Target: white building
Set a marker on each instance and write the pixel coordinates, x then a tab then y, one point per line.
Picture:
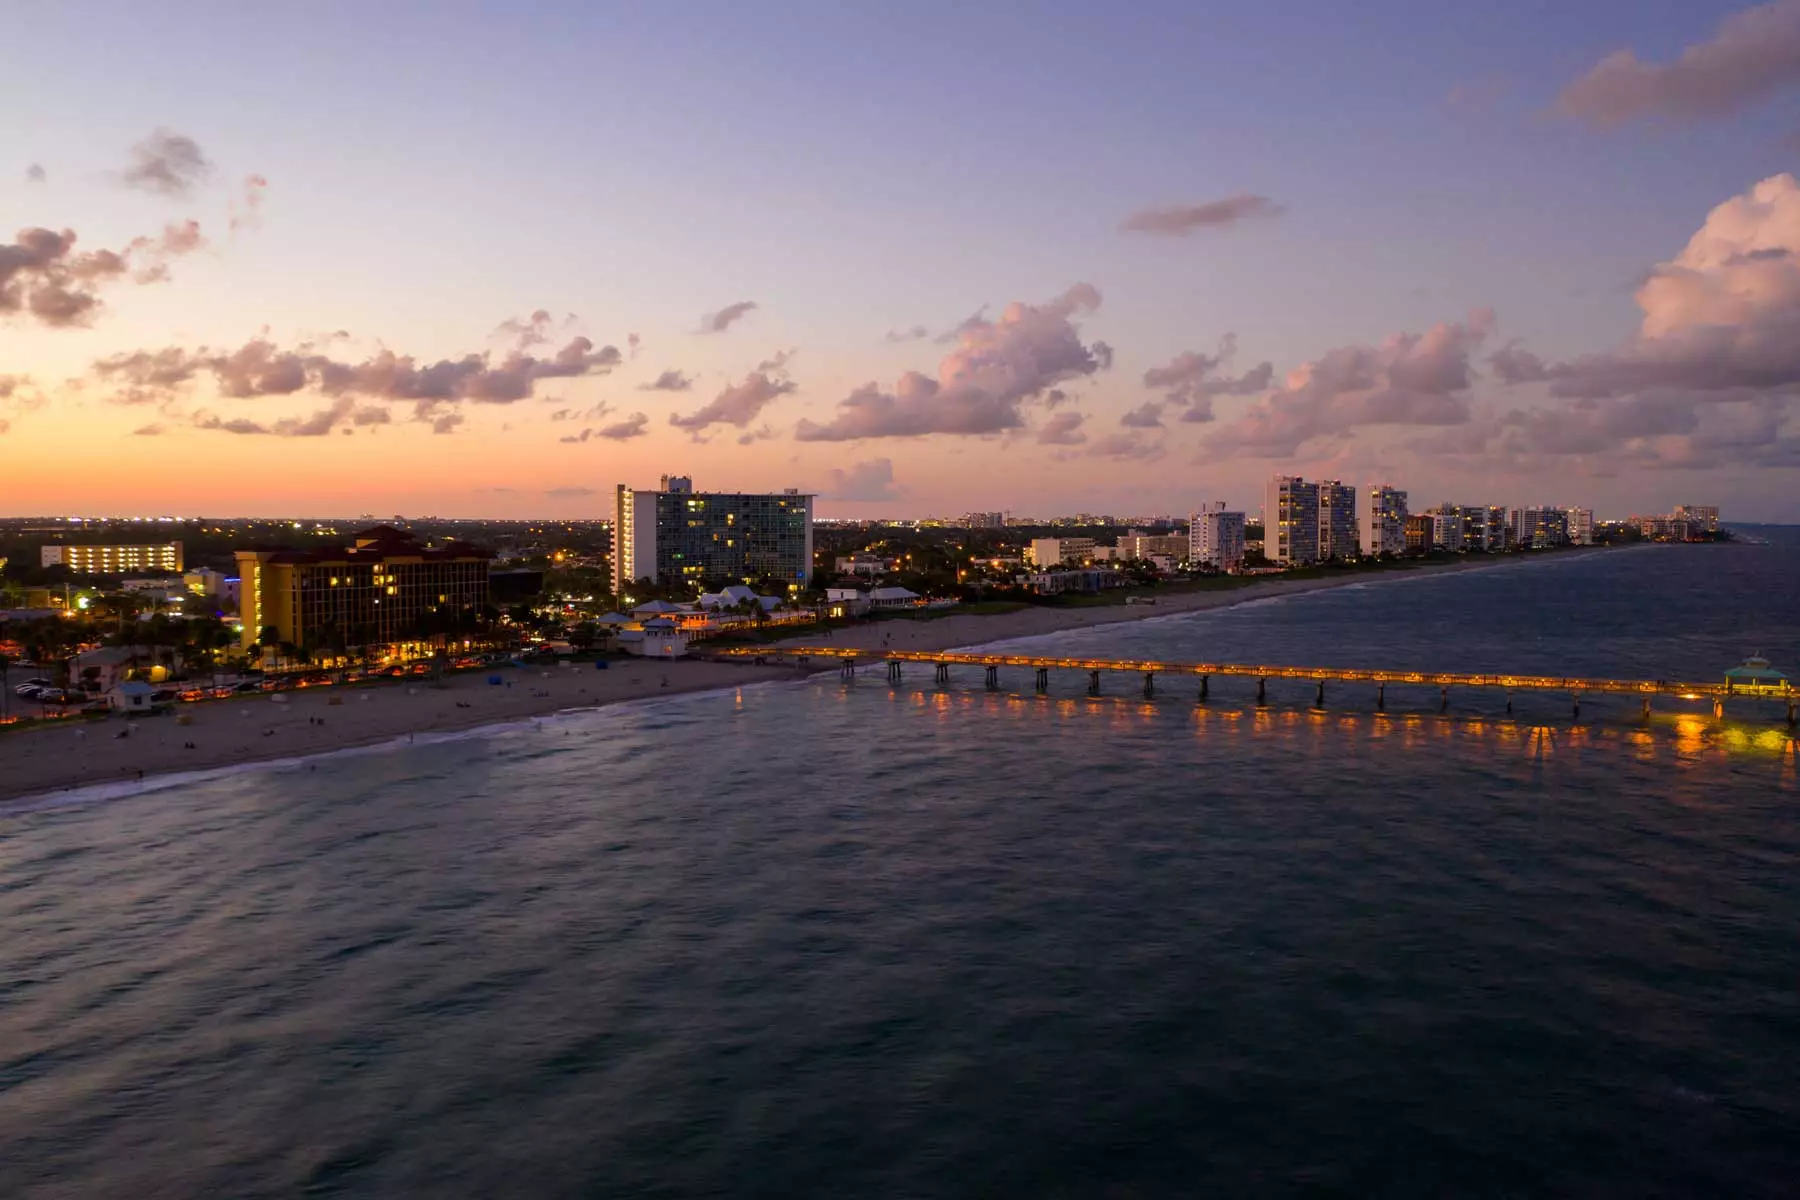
1337	520
1216	538
1055	552
1581	525
1291	521
676	533
1700	518
1383	520
1447	527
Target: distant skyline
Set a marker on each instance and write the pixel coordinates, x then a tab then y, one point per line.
472	260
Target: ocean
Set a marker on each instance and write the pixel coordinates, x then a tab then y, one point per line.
854	939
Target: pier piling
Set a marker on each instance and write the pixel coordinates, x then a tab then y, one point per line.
1578	706
894	671
1319	697
1262	691
993	679
1149	685
848	671
1646	709
1043	680
1203	682
1443	699
1093	683
1380	697
1718	710
943	673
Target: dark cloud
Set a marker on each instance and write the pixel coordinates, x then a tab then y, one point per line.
1753	55
981	384
446	422
916	333
343	412
1063	429
623	431
568	493
261	368
34	173
535	330
864	482
668	381
720	321
151	430
166	163
1191	384
1147	415
42	278
1182	219
1127	446
633	343
1411	379
741	403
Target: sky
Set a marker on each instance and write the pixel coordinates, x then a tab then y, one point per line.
491	260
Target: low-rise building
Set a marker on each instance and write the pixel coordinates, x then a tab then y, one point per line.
1086	579
1044	553
114	560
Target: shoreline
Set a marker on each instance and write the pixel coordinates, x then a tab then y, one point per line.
44	762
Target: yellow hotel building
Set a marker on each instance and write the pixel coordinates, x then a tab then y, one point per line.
370	593
164	558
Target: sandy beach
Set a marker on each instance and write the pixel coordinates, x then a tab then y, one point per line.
256	728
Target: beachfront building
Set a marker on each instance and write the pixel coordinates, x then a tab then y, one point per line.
1089	579
1581	525
1419	529
383	589
1446	527
1055	552
1216	538
1700	518
1291	521
1538	528
1383	524
1140	545
677	534
114	560
1337	520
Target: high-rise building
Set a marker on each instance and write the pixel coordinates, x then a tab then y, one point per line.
1700	518
1419	529
676	533
114	560
1291	521
1216	537
385	588
1499	536
985	520
1581	525
1538	528
1383	524
1337	520
1446	527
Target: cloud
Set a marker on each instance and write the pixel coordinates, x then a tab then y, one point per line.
446	422
1191	385
34	173
343	412
43	279
720	321
623	431
975	321
568	493
247	212
5	426
1182	219
261	368
668	381
981	384
632	344
916	333
1753	55
151	430
741	403
1410	379
167	164
534	330
865	482
1132	446
1063	429
1147	415
1721	316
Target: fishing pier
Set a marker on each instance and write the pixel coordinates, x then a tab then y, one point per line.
1202	673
